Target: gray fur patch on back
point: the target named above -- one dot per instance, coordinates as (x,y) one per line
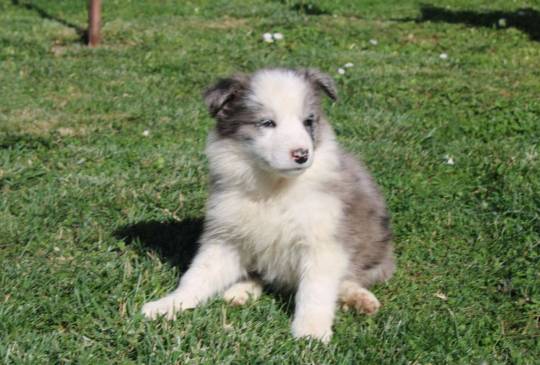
(365,230)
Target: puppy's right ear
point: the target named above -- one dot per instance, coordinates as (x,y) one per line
(224,92)
(322,81)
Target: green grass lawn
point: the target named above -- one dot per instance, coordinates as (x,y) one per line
(103,176)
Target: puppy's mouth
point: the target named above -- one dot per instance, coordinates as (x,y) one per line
(292,169)
(290,172)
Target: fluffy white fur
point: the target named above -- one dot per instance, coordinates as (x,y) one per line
(273,216)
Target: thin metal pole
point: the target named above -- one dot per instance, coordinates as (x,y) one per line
(94,22)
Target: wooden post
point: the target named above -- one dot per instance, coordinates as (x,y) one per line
(94,22)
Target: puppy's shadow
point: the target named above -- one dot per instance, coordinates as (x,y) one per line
(174,241)
(284,298)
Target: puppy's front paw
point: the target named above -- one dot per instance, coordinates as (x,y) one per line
(315,328)
(166,307)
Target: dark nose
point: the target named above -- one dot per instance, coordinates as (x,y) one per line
(300,155)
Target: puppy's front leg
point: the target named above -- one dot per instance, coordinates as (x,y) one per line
(322,270)
(215,267)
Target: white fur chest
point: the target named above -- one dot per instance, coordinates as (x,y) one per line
(273,234)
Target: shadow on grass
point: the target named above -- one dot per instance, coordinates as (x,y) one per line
(303,7)
(308,9)
(24,141)
(284,299)
(81,32)
(526,20)
(175,242)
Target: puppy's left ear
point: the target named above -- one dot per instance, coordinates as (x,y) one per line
(321,81)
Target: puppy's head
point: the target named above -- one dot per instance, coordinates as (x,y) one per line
(275,114)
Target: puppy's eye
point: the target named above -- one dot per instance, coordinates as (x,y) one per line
(266,123)
(308,122)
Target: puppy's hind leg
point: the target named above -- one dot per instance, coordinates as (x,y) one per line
(243,291)
(353,295)
(215,267)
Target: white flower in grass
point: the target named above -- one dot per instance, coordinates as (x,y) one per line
(267,37)
(341,71)
(449,160)
(348,65)
(502,22)
(531,155)
(146,133)
(278,36)
(373,42)
(443,56)
(441,295)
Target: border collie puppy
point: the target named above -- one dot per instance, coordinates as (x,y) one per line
(287,206)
